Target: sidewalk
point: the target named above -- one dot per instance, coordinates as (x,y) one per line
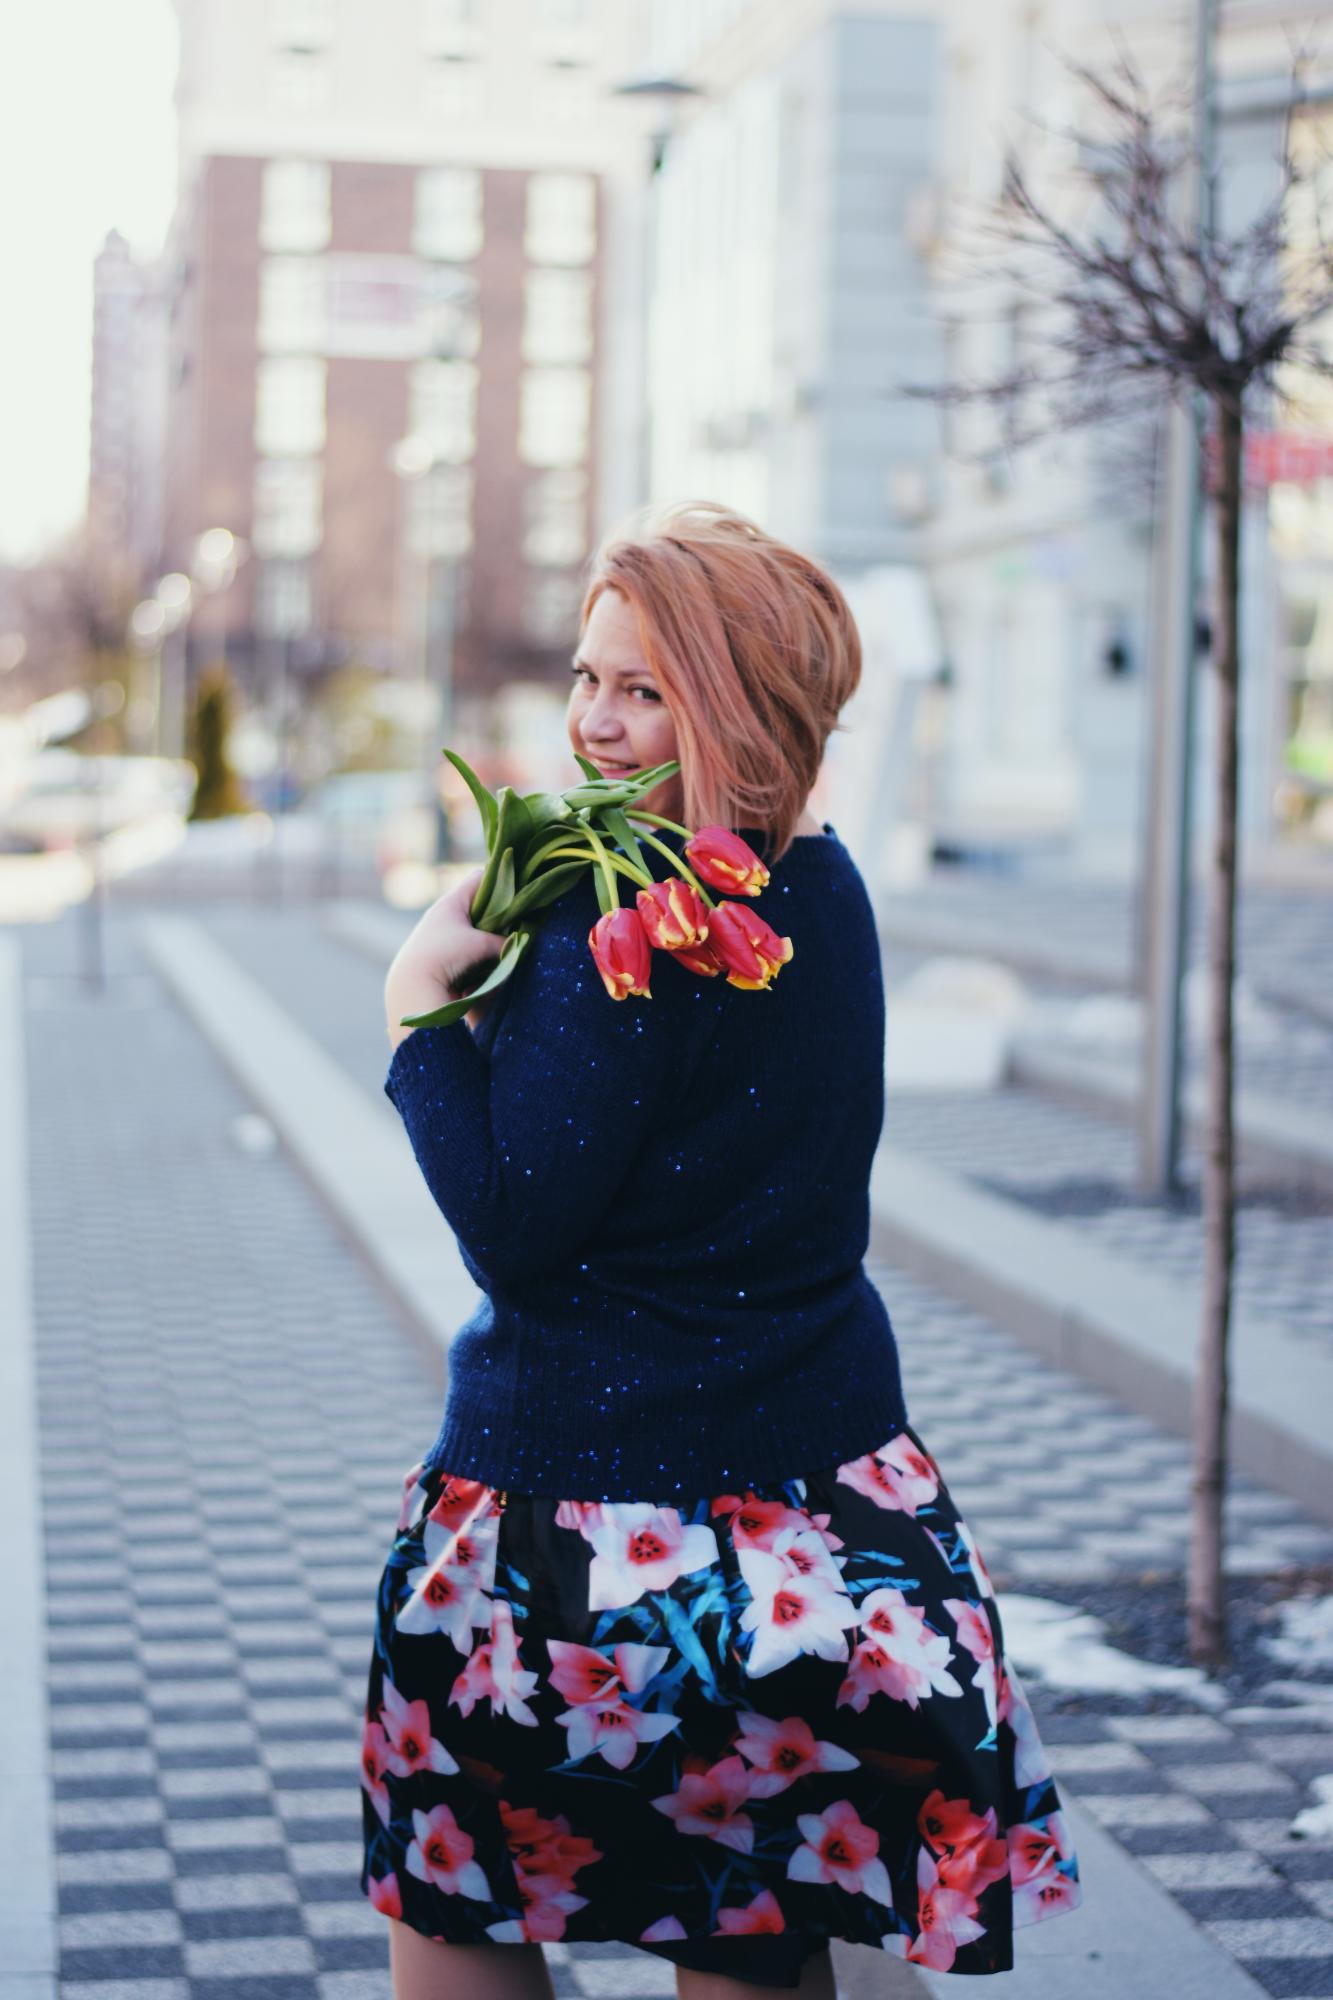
(1052,926)
(204,1346)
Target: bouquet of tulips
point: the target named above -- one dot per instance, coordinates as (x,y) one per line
(538,843)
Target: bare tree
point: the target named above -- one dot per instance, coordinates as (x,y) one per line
(1133,310)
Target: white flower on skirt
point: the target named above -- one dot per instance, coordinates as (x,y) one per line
(640,1547)
(797,1602)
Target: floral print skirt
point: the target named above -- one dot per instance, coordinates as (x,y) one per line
(725,1732)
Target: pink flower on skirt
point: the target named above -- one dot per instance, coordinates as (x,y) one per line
(839,1847)
(898,1475)
(707,1803)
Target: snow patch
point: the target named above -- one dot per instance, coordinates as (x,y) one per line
(1066,1648)
(1316,1822)
(252,1134)
(1305,1636)
(1300,1701)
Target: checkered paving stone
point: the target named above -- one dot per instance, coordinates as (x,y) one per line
(1067,1163)
(219,1489)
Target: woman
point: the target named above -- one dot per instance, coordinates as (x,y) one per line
(681,1640)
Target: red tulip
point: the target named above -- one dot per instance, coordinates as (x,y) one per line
(725,861)
(750,949)
(700,958)
(672,914)
(621,953)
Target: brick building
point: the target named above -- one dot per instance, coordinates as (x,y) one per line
(386,327)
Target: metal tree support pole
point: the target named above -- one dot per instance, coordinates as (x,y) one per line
(1175,644)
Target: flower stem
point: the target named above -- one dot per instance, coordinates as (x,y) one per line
(618,862)
(675,860)
(607,863)
(654,819)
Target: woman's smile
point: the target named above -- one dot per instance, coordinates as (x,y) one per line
(616,700)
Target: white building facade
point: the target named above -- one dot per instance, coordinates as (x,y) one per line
(809,261)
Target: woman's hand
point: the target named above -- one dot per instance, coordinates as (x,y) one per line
(431,965)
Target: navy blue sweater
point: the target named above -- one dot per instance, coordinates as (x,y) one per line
(666,1205)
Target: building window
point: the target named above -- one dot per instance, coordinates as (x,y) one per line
(563,17)
(293,301)
(557,317)
(288,506)
(450,27)
(561,218)
(440,511)
(451,313)
(283,601)
(551,603)
(447,220)
(554,512)
(555,406)
(442,405)
(302,24)
(289,406)
(451,91)
(295,211)
(300,80)
(564,96)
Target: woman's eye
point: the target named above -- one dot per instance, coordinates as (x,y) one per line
(652,693)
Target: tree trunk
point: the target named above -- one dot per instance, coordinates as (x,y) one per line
(1207,1588)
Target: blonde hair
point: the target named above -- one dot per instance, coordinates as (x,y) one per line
(754,648)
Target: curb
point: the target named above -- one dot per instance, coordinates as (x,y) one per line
(918,930)
(29,1949)
(1274,1135)
(352,1151)
(1112,972)
(1125,1328)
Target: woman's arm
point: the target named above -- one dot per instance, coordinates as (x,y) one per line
(429,965)
(525,1153)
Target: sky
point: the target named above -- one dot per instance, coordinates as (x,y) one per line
(87,144)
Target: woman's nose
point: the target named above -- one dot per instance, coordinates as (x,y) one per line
(595,727)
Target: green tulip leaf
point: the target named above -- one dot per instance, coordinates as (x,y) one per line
(514,826)
(553,838)
(546,808)
(621,831)
(454,1010)
(485,799)
(501,896)
(546,886)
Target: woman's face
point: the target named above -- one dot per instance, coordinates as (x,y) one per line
(617,713)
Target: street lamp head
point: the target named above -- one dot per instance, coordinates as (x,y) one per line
(669,89)
(664,94)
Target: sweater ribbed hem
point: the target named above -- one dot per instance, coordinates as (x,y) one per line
(680,1455)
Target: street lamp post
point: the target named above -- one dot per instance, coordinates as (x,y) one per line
(153,625)
(175,594)
(415,459)
(664,95)
(216,557)
(1169,805)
